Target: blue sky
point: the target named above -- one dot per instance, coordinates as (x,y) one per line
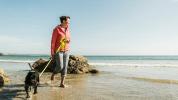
(98,27)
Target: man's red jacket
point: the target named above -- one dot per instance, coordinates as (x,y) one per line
(58,34)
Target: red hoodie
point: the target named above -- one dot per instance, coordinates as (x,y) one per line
(58,34)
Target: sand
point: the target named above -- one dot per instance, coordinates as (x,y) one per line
(112,83)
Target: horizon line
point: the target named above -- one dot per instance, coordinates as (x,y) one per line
(11,54)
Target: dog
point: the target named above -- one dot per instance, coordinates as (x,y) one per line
(31,80)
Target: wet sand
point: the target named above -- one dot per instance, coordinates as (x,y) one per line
(46,90)
(112,83)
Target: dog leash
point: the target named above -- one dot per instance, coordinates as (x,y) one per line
(62,45)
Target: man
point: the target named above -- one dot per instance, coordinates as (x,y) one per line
(60,48)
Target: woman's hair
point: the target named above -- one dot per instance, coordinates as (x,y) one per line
(62,18)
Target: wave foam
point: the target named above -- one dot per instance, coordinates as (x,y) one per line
(17,61)
(135,65)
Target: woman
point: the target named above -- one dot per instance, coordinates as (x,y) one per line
(60,48)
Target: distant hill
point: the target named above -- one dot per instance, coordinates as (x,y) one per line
(1,54)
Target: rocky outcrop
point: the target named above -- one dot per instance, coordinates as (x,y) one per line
(76,65)
(40,64)
(3,78)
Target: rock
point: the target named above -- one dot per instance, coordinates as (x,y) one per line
(3,78)
(40,64)
(1,81)
(76,65)
(94,71)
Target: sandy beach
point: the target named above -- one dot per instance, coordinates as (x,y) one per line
(102,86)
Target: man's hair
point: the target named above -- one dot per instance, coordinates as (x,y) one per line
(62,18)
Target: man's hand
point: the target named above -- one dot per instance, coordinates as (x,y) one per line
(65,40)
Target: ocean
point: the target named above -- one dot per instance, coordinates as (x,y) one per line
(120,77)
(169,61)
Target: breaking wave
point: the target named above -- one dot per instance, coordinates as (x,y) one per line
(135,65)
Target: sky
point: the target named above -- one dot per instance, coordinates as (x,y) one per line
(98,27)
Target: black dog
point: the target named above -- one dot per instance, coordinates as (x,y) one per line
(32,79)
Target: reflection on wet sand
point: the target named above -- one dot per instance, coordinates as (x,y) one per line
(76,84)
(46,91)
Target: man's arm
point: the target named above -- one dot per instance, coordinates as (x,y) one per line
(53,41)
